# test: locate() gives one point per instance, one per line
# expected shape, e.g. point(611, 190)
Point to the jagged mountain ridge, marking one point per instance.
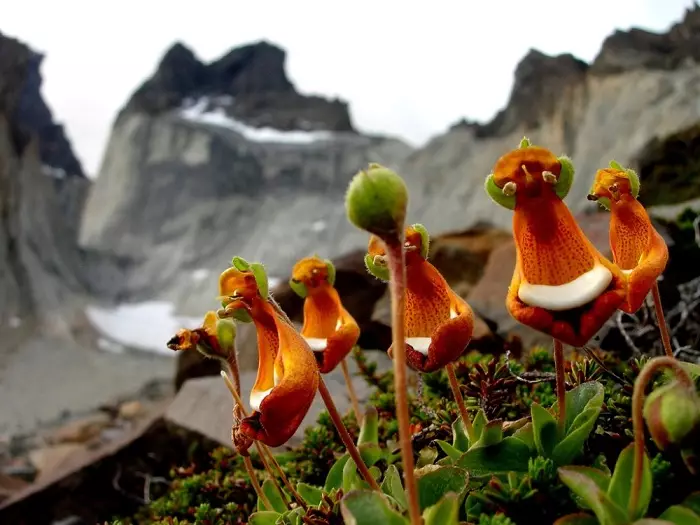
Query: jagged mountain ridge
point(180, 194)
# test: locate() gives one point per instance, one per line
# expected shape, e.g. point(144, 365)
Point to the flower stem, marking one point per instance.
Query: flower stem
point(351, 391)
point(256, 485)
point(285, 480)
point(234, 387)
point(397, 270)
point(663, 327)
point(559, 367)
point(344, 436)
point(646, 375)
point(460, 402)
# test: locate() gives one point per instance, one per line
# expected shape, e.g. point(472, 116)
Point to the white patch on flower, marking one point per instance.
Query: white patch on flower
point(419, 344)
point(200, 112)
point(574, 294)
point(144, 326)
point(317, 344)
point(257, 396)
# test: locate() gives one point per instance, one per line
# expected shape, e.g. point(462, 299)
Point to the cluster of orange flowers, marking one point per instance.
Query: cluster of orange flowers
point(562, 285)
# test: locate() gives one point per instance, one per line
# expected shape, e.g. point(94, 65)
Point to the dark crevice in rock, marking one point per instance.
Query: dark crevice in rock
point(252, 76)
point(669, 168)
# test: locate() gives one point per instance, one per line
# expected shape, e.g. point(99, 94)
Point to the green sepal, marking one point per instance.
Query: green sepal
point(424, 239)
point(524, 143)
point(497, 194)
point(330, 269)
point(226, 333)
point(240, 264)
point(260, 275)
point(566, 177)
point(380, 272)
point(242, 315)
point(299, 288)
point(631, 175)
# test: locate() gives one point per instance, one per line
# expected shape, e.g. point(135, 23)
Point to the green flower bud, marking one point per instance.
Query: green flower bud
point(376, 201)
point(225, 334)
point(672, 413)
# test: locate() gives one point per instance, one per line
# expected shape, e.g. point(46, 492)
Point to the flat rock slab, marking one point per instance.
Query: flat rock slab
point(205, 405)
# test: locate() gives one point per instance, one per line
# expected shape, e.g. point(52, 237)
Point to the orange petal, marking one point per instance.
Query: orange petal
point(645, 274)
point(339, 346)
point(322, 309)
point(283, 409)
point(428, 299)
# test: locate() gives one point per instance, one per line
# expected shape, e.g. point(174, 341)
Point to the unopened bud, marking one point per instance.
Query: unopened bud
point(376, 201)
point(672, 413)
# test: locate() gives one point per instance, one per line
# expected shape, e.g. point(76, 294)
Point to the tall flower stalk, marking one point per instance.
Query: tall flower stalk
point(376, 202)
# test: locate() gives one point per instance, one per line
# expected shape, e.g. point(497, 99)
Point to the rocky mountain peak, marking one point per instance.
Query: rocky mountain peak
point(539, 81)
point(250, 80)
point(642, 49)
point(21, 101)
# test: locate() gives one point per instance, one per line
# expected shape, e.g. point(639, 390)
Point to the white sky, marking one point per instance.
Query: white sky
point(407, 68)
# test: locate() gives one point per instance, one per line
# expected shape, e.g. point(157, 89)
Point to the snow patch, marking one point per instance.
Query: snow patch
point(201, 112)
point(272, 282)
point(51, 171)
point(109, 346)
point(145, 326)
point(200, 274)
point(15, 322)
point(319, 226)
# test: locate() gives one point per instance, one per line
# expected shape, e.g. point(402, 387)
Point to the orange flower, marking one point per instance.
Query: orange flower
point(209, 339)
point(438, 323)
point(329, 329)
point(561, 285)
point(287, 377)
point(638, 249)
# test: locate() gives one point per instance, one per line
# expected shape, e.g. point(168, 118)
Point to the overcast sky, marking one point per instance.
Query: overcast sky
point(407, 68)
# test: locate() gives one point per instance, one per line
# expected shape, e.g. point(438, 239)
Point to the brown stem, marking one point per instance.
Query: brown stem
point(241, 411)
point(663, 327)
point(254, 480)
point(397, 270)
point(297, 497)
point(351, 391)
point(260, 447)
point(646, 375)
point(460, 402)
point(344, 436)
point(559, 366)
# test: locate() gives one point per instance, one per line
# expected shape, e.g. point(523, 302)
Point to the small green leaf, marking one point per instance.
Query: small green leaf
point(491, 434)
point(370, 453)
point(330, 270)
point(460, 440)
point(367, 507)
point(511, 454)
point(273, 496)
point(334, 479)
point(393, 487)
point(444, 512)
point(242, 315)
point(369, 430)
point(544, 430)
point(526, 434)
point(240, 264)
point(580, 518)
point(497, 195)
point(310, 494)
point(434, 482)
point(680, 515)
point(586, 395)
point(566, 177)
point(380, 272)
point(692, 501)
point(425, 240)
point(524, 143)
point(264, 517)
point(298, 288)
point(621, 483)
point(260, 279)
point(479, 423)
point(448, 449)
point(572, 445)
point(586, 486)
point(426, 456)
